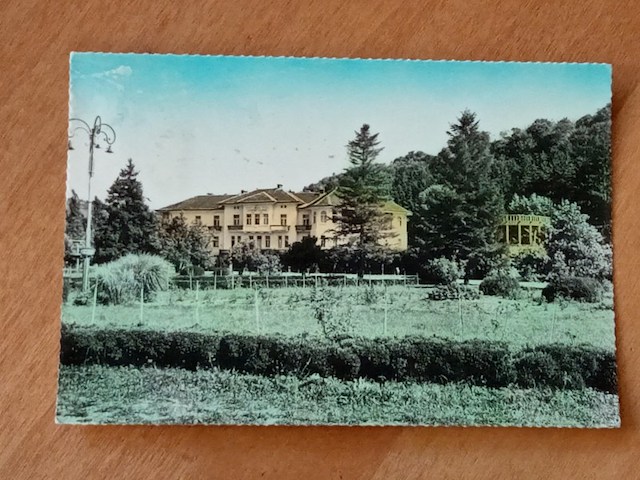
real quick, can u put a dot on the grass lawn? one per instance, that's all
(290, 311)
(96, 394)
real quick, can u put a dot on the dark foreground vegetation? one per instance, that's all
(97, 394)
(416, 359)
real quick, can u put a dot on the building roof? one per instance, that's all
(200, 202)
(270, 195)
(261, 195)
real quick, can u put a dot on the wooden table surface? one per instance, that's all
(35, 40)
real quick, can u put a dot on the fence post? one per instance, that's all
(255, 299)
(286, 282)
(95, 300)
(304, 282)
(215, 281)
(386, 311)
(250, 280)
(197, 302)
(460, 309)
(141, 303)
(266, 278)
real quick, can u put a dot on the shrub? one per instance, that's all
(531, 267)
(83, 298)
(414, 358)
(454, 292)
(582, 289)
(442, 271)
(500, 284)
(122, 280)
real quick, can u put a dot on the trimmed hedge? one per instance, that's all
(413, 358)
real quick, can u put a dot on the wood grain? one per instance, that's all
(36, 38)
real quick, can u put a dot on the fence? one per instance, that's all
(253, 280)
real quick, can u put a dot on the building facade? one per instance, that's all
(273, 219)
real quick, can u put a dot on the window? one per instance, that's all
(216, 220)
(286, 242)
(323, 216)
(166, 215)
(283, 206)
(265, 218)
(257, 217)
(259, 241)
(283, 219)
(305, 219)
(267, 241)
(216, 242)
(314, 217)
(251, 239)
(236, 220)
(233, 240)
(198, 220)
(248, 219)
(279, 241)
(323, 241)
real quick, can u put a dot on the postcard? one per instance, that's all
(324, 241)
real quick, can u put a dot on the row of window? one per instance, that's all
(283, 240)
(255, 218)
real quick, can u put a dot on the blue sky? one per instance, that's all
(198, 124)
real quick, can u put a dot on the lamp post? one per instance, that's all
(108, 134)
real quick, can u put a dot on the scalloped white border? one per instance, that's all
(383, 59)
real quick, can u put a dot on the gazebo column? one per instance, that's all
(519, 234)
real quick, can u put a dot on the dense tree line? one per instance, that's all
(456, 199)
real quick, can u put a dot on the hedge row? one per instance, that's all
(477, 362)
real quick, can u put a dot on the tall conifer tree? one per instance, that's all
(127, 224)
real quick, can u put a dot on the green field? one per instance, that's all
(525, 321)
(98, 394)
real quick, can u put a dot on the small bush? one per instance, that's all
(500, 284)
(454, 292)
(122, 280)
(442, 271)
(582, 289)
(531, 267)
(83, 298)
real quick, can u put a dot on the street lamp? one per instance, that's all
(108, 134)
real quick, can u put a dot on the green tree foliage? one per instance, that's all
(591, 142)
(360, 259)
(562, 161)
(411, 175)
(362, 188)
(76, 222)
(459, 214)
(305, 255)
(126, 224)
(75, 227)
(184, 245)
(246, 256)
(574, 246)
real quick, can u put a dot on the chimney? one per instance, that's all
(279, 186)
(243, 191)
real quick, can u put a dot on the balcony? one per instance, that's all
(279, 228)
(235, 227)
(303, 228)
(215, 228)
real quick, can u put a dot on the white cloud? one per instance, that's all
(114, 73)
